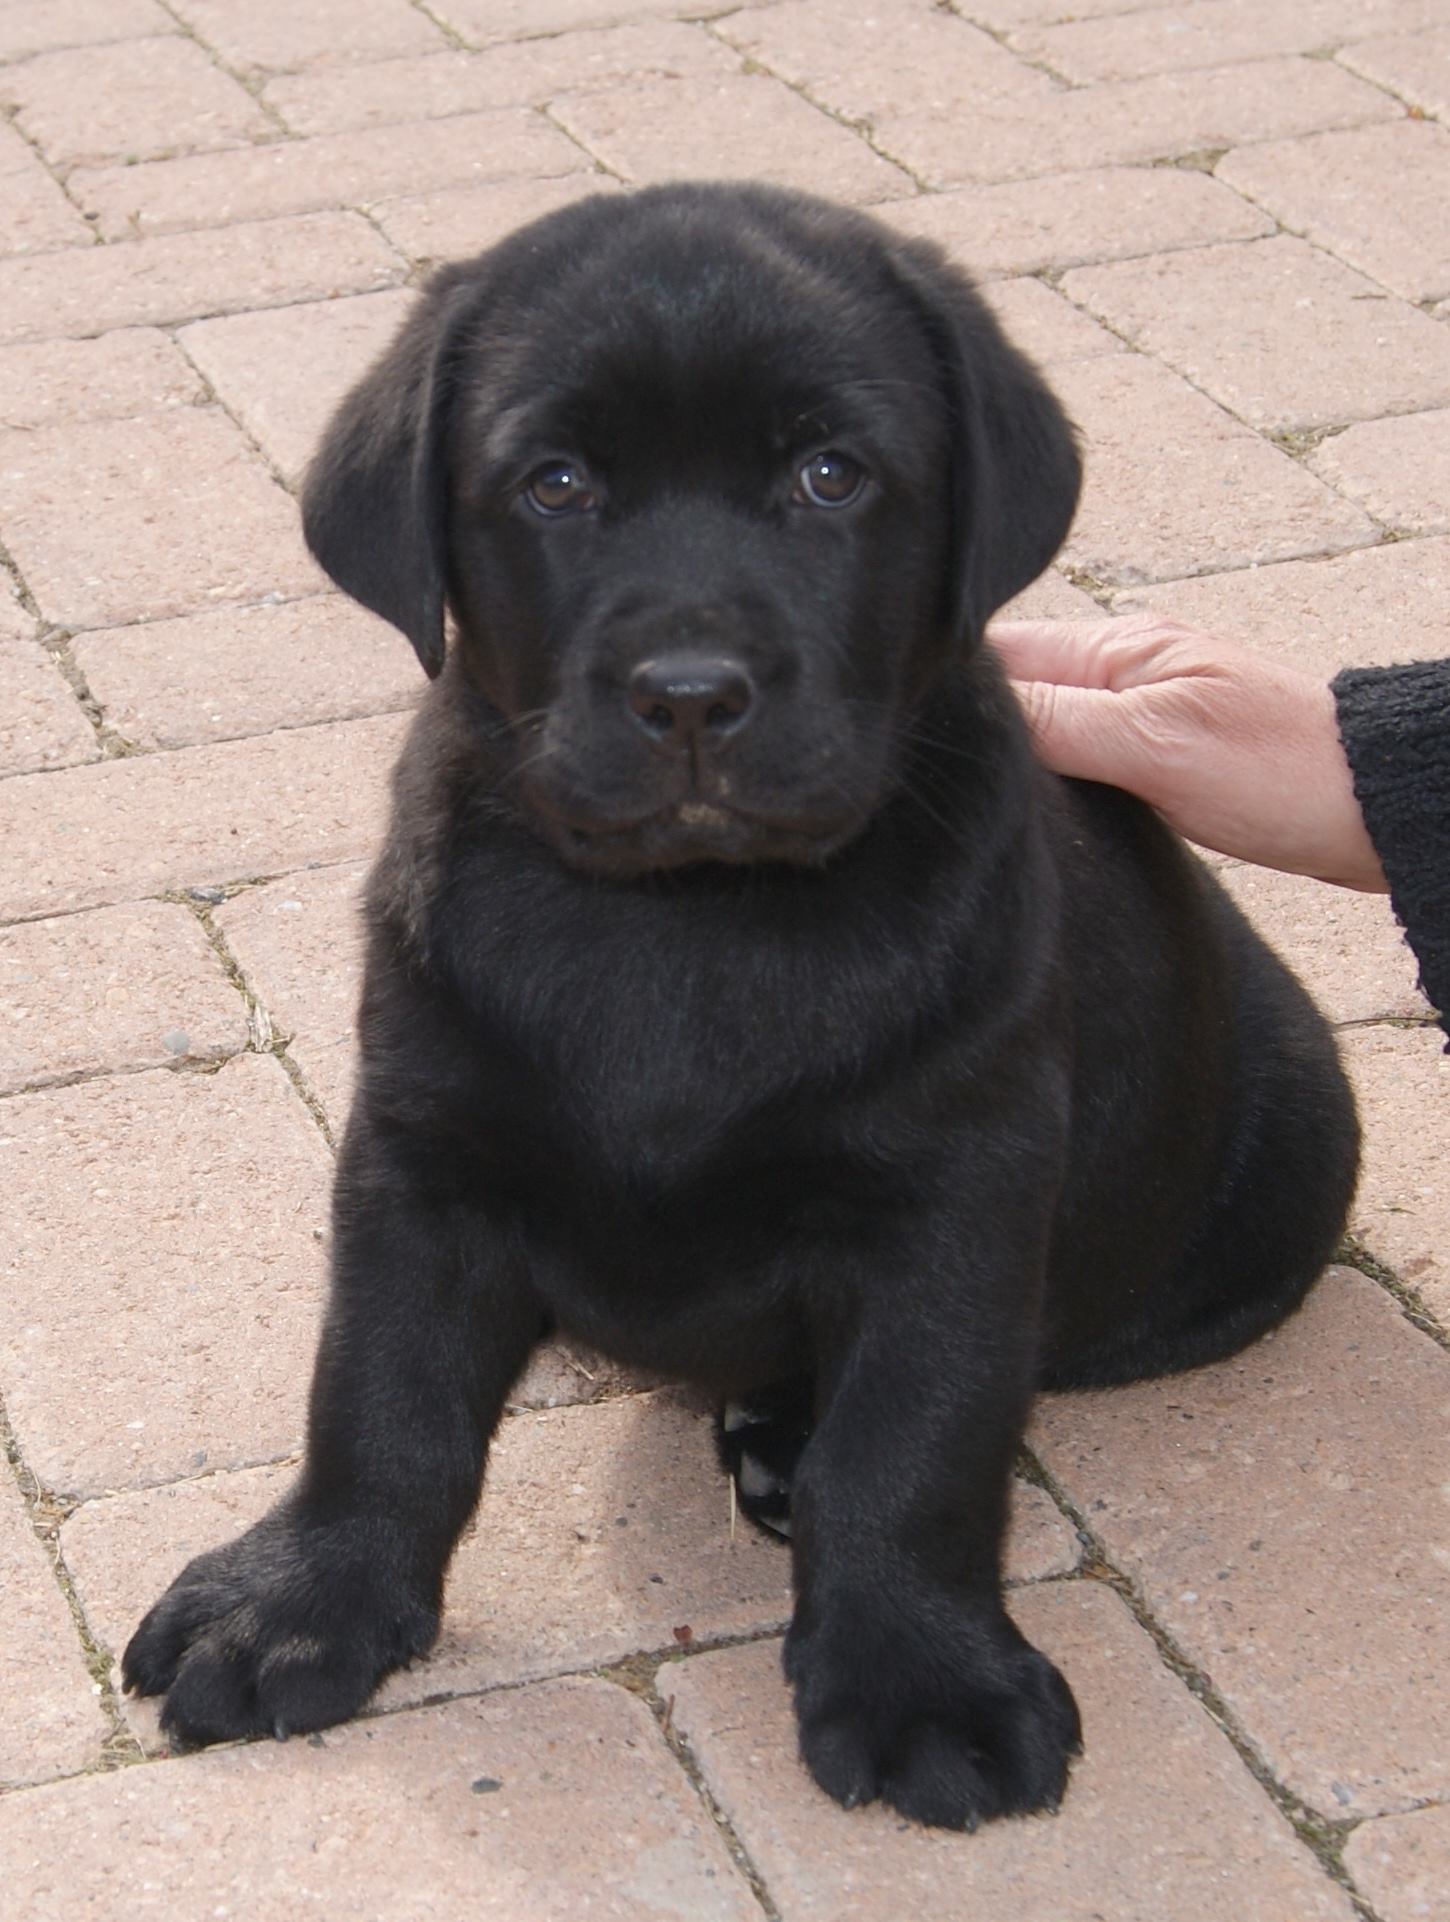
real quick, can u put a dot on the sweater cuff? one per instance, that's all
(1395, 726)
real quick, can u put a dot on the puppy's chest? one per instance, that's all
(650, 1032)
(644, 1108)
(659, 1118)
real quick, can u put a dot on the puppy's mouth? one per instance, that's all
(695, 831)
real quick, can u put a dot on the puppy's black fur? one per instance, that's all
(741, 997)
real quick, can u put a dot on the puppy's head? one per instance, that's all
(714, 481)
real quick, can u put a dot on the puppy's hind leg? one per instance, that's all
(761, 1438)
(1268, 1231)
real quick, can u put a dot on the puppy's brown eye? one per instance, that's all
(561, 488)
(829, 480)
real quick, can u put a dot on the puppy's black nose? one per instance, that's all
(681, 700)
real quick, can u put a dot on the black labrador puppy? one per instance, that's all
(741, 997)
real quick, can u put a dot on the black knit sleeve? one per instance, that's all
(1395, 725)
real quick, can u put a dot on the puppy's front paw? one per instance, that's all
(287, 1630)
(973, 1726)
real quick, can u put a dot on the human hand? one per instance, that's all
(1238, 753)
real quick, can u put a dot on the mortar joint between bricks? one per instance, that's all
(865, 131)
(416, 270)
(46, 1512)
(597, 163)
(59, 174)
(211, 398)
(1352, 1253)
(250, 79)
(1297, 442)
(263, 1036)
(660, 1702)
(1199, 160)
(450, 33)
(1101, 591)
(56, 641)
(1002, 36)
(48, 1083)
(113, 744)
(1324, 1837)
(858, 125)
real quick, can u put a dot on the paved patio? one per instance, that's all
(1222, 227)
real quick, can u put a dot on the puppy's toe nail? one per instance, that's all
(755, 1479)
(280, 1731)
(737, 1415)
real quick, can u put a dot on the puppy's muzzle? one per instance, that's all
(691, 704)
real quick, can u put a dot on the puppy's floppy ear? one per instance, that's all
(1015, 466)
(375, 500)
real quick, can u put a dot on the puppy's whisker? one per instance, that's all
(520, 768)
(882, 385)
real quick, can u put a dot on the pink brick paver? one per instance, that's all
(735, 127)
(299, 945)
(1026, 226)
(1225, 318)
(527, 73)
(35, 215)
(280, 34)
(176, 683)
(1275, 1511)
(1402, 1211)
(1215, 495)
(137, 986)
(113, 376)
(51, 1721)
(541, 1806)
(334, 170)
(119, 520)
(281, 372)
(26, 28)
(459, 222)
(1160, 1819)
(953, 104)
(1416, 66)
(1045, 325)
(889, 63)
(1403, 1864)
(266, 263)
(171, 1225)
(1397, 469)
(16, 620)
(1207, 33)
(1220, 227)
(135, 100)
(481, 22)
(1375, 196)
(202, 817)
(1346, 948)
(1161, 117)
(41, 724)
(1370, 607)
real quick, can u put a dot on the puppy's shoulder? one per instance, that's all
(439, 779)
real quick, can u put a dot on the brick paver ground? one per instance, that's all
(1221, 227)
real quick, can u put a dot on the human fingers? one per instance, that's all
(1122, 651)
(1086, 732)
(1068, 653)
